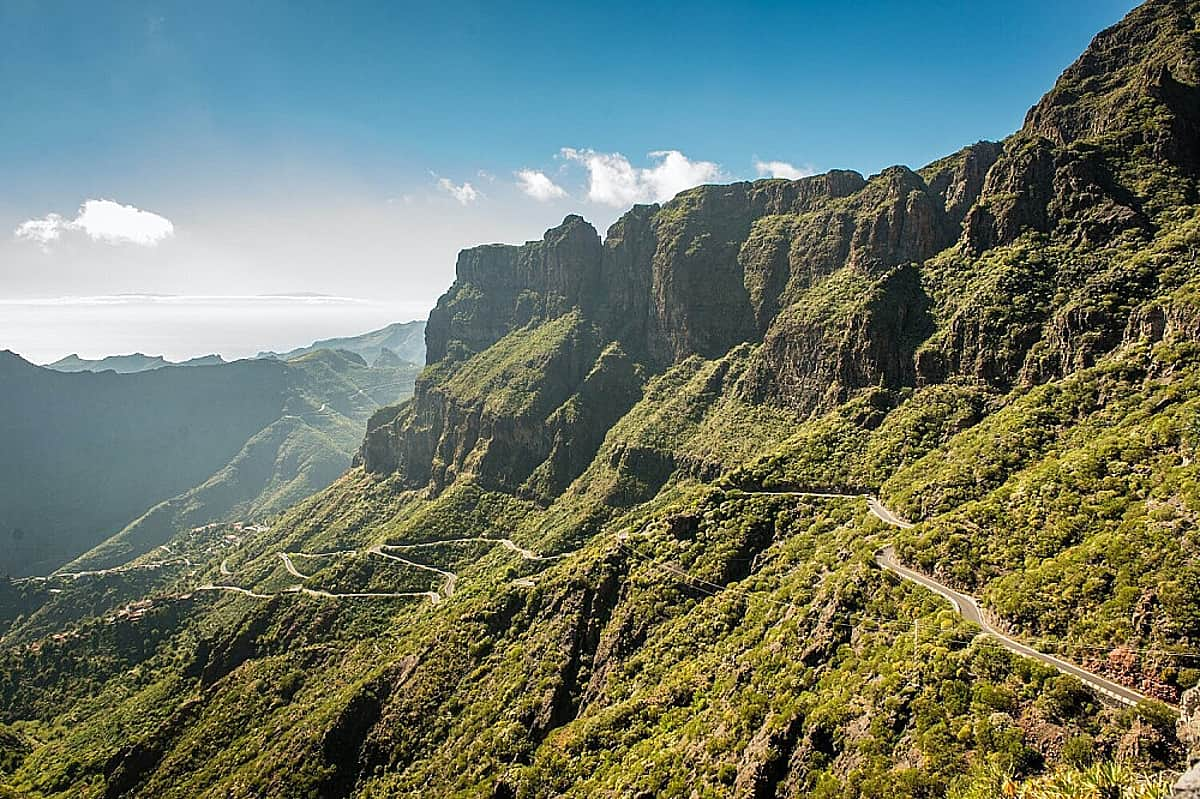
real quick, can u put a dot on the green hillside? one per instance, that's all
(143, 455)
(631, 535)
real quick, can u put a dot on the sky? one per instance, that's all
(181, 178)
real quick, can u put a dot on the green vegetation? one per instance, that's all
(113, 465)
(584, 484)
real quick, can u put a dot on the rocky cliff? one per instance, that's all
(998, 264)
(610, 583)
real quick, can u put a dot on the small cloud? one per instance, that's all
(782, 169)
(538, 186)
(100, 220)
(465, 194)
(613, 180)
(42, 231)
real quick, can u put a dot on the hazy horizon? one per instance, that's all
(179, 327)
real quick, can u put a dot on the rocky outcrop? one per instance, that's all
(501, 287)
(1132, 96)
(1188, 786)
(1188, 727)
(1015, 197)
(1176, 319)
(958, 179)
(812, 359)
(576, 429)
(700, 302)
(836, 279)
(500, 420)
(1126, 73)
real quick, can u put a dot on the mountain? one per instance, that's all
(617, 543)
(403, 340)
(140, 456)
(127, 364)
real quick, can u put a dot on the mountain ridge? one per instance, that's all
(1002, 345)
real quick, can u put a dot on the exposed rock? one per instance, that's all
(464, 423)
(1188, 786)
(811, 361)
(1188, 727)
(1172, 321)
(765, 760)
(1015, 196)
(958, 180)
(833, 276)
(501, 287)
(1124, 74)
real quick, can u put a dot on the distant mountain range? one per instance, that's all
(396, 344)
(112, 464)
(127, 364)
(400, 342)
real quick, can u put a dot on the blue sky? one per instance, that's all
(352, 148)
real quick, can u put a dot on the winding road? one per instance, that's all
(291, 568)
(450, 578)
(129, 567)
(432, 596)
(968, 606)
(507, 543)
(449, 583)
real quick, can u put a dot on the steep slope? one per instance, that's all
(615, 544)
(90, 454)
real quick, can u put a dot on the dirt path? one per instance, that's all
(432, 596)
(507, 543)
(184, 561)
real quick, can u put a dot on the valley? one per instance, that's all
(832, 486)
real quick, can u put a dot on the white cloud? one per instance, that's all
(613, 180)
(100, 220)
(782, 169)
(465, 194)
(43, 231)
(538, 186)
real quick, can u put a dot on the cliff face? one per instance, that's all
(1128, 105)
(996, 264)
(595, 446)
(501, 287)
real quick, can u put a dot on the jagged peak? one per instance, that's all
(1153, 45)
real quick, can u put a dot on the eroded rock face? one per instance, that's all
(500, 287)
(836, 280)
(1188, 727)
(958, 180)
(1132, 93)
(811, 362)
(463, 425)
(1124, 72)
(700, 300)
